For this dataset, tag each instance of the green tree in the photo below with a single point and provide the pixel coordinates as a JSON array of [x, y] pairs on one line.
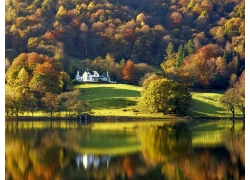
[[42, 84], [189, 47], [146, 79], [180, 56], [170, 51], [22, 78], [164, 95], [64, 81], [14, 101], [9, 102]]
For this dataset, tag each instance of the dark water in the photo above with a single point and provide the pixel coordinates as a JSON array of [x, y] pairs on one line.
[[69, 151]]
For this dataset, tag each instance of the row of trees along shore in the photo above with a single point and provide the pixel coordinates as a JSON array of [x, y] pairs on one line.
[[69, 103]]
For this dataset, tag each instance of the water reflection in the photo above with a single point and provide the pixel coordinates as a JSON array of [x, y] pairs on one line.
[[165, 153], [164, 144], [181, 160], [91, 160]]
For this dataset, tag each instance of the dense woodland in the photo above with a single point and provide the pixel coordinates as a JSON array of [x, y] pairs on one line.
[[199, 43]]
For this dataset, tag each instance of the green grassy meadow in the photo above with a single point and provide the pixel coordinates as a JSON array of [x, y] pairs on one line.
[[207, 104], [123, 100], [114, 100]]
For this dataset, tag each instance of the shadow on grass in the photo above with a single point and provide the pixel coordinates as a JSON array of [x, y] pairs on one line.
[[108, 97], [112, 103], [106, 92], [200, 108]]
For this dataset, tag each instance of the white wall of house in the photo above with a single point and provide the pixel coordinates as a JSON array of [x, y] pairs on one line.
[[92, 77]]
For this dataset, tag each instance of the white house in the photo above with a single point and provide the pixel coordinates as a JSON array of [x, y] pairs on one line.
[[92, 77], [78, 77]]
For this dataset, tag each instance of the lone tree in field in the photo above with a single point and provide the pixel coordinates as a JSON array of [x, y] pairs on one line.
[[234, 98], [164, 95]]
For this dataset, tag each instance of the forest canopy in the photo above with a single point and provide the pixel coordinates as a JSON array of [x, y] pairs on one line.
[[178, 35]]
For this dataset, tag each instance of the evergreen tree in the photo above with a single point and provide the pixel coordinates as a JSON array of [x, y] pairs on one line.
[[225, 56], [170, 51], [189, 47], [180, 56]]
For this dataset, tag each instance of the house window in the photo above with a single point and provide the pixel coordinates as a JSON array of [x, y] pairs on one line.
[[87, 78]]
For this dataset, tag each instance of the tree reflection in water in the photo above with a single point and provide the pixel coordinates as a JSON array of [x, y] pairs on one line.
[[32, 154], [173, 150], [167, 153]]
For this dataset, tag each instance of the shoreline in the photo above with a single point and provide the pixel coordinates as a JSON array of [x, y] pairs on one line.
[[115, 118]]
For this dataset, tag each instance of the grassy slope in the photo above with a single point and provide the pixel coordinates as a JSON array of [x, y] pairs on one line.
[[122, 100], [207, 104], [114, 100]]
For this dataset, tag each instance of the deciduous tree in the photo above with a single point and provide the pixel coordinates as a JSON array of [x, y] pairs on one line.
[[164, 95], [230, 101], [50, 101], [128, 71]]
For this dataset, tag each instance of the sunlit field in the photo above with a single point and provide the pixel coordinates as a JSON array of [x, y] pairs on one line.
[[123, 100], [207, 104], [115, 100]]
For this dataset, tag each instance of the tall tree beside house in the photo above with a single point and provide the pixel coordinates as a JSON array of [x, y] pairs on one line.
[[64, 81], [128, 71]]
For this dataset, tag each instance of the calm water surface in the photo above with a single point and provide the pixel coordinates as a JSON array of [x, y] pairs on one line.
[[65, 151]]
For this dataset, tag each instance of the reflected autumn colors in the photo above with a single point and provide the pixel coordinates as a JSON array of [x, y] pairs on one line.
[[173, 149], [165, 144], [39, 154], [166, 153]]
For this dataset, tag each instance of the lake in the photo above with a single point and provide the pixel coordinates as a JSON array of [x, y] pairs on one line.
[[65, 150]]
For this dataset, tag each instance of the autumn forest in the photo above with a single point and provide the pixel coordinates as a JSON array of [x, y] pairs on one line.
[[199, 43]]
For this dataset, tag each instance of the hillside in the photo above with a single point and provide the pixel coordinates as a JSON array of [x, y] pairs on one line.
[[145, 31], [197, 43]]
